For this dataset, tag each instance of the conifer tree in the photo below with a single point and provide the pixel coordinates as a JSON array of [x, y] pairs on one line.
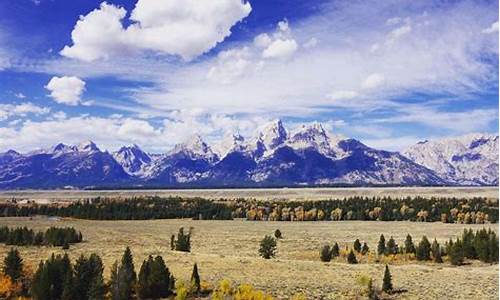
[[351, 258], [392, 247], [357, 246], [335, 250], [387, 281], [123, 277], [436, 252], [326, 253], [195, 279], [409, 247], [13, 265], [172, 242], [422, 252], [267, 247], [381, 245], [365, 249], [455, 253]]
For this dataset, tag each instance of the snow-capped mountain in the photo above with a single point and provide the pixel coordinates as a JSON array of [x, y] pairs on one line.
[[470, 159], [133, 160], [273, 156]]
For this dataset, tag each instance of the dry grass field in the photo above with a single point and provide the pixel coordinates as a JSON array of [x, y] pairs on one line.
[[269, 194], [228, 249]]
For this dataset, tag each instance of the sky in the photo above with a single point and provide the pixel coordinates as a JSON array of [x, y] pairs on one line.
[[156, 72]]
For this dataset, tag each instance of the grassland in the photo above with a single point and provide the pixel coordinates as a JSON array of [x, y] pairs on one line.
[[269, 194], [228, 249]]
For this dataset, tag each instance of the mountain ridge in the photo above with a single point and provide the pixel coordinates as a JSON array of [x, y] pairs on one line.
[[307, 156]]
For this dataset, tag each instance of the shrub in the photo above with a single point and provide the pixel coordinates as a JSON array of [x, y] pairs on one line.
[[267, 247], [409, 247], [365, 249], [335, 250], [277, 234], [351, 258], [392, 247], [381, 245], [326, 254], [357, 246], [183, 242], [387, 281]]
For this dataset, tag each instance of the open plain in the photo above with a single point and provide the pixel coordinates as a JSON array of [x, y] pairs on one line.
[[291, 194], [229, 249]]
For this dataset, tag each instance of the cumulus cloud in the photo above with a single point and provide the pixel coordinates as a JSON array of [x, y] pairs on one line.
[[175, 27], [20, 95], [21, 110], [373, 81], [280, 49], [492, 29], [66, 90]]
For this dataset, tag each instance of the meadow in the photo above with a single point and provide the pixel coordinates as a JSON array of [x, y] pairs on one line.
[[229, 249]]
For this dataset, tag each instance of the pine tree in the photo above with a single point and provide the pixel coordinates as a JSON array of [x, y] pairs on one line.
[[13, 265], [195, 279], [123, 277], [436, 252], [422, 252], [455, 253], [183, 242], [326, 254], [88, 278], [143, 288], [365, 249], [161, 280], [267, 247], [97, 289], [381, 245], [68, 287], [387, 281], [351, 258], [357, 246], [392, 247], [335, 250], [409, 247]]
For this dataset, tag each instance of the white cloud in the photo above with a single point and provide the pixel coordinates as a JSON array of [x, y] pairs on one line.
[[20, 95], [231, 64], [492, 29], [66, 90], [23, 109], [311, 43], [186, 28], [280, 49], [262, 40], [393, 21], [343, 95], [397, 33], [373, 81]]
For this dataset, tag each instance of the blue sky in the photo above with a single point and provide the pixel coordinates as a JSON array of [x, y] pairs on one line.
[[154, 73]]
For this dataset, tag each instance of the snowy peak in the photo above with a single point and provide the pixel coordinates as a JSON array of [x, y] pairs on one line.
[[273, 135], [132, 159], [468, 159], [195, 148], [88, 146]]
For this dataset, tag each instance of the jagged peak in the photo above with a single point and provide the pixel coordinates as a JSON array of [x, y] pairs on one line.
[[273, 134], [87, 146]]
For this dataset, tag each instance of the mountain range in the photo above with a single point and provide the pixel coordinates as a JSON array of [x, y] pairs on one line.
[[273, 157]]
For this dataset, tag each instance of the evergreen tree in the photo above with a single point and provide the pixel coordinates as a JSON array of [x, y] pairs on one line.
[[436, 252], [468, 238], [267, 247], [422, 252], [351, 258], [365, 249], [97, 289], [357, 246], [409, 247], [123, 277], [161, 281], [68, 292], [455, 253], [335, 250], [13, 265], [392, 247], [381, 245], [387, 281], [183, 242], [195, 279], [326, 254], [172, 242], [143, 286], [277, 234], [48, 281], [88, 278]]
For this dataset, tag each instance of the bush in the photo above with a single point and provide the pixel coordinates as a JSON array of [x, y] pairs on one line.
[[392, 247], [351, 258], [267, 247], [183, 242], [365, 249], [277, 234], [357, 246], [422, 252], [326, 254], [335, 250]]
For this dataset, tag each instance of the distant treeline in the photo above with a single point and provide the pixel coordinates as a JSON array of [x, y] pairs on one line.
[[22, 236], [448, 210]]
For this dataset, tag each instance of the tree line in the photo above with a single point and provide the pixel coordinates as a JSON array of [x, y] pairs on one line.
[[420, 209], [481, 245], [53, 236]]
